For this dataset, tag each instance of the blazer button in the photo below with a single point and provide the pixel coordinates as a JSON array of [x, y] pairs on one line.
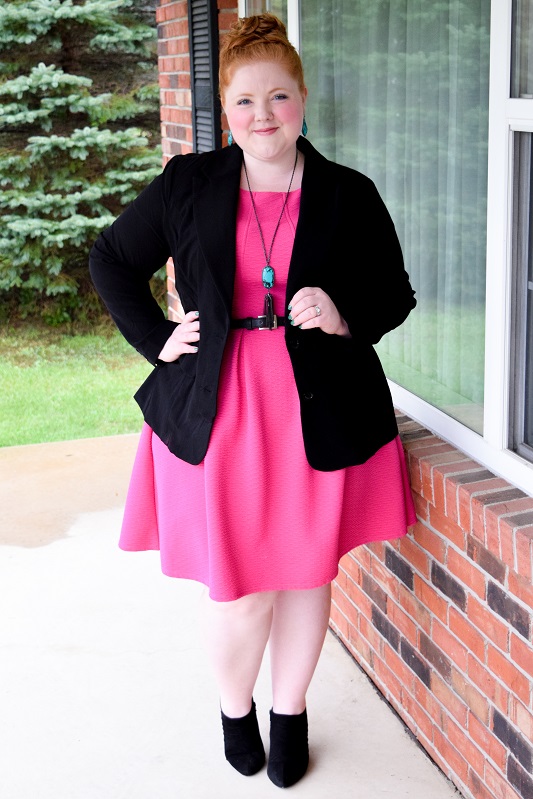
[[295, 344], [308, 395]]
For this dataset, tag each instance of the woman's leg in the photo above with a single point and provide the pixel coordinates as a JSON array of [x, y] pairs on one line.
[[236, 635], [299, 625]]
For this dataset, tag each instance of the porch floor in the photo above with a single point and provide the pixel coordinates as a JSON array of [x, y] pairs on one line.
[[106, 690]]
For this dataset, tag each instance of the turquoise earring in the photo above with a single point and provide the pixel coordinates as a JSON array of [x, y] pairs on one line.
[[304, 128], [230, 138]]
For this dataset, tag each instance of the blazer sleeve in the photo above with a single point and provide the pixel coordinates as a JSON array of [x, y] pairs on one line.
[[122, 261], [383, 296]]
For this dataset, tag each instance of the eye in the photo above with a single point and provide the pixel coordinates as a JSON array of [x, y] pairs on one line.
[[244, 101], [280, 96]]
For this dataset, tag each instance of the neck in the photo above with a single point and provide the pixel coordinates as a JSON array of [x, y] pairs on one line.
[[268, 176]]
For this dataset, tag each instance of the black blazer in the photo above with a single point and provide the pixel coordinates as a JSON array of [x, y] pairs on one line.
[[345, 243]]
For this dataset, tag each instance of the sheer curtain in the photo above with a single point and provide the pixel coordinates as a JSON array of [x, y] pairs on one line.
[[399, 90]]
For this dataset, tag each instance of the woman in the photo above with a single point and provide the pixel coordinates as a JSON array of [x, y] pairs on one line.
[[270, 446]]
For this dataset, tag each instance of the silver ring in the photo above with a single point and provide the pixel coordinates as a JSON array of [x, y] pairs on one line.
[[317, 309]]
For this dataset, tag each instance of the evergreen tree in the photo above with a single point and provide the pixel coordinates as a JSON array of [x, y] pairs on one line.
[[79, 138]]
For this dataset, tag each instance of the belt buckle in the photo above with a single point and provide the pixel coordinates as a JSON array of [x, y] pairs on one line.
[[264, 326]]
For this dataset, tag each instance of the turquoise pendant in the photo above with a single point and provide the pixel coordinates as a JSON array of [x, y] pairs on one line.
[[268, 277]]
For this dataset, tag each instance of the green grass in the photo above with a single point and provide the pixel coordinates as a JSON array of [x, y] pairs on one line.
[[56, 386]]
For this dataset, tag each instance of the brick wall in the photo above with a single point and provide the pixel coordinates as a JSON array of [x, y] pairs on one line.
[[175, 92], [442, 619]]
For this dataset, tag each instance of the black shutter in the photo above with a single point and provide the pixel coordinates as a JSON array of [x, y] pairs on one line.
[[206, 111]]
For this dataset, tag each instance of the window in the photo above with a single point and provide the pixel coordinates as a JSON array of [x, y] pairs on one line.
[[522, 339], [399, 90], [521, 392], [277, 7], [522, 50]]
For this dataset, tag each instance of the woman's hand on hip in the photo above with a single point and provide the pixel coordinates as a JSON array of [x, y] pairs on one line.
[[311, 307], [183, 338]]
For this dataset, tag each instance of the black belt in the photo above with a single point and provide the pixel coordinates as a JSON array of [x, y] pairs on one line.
[[258, 323]]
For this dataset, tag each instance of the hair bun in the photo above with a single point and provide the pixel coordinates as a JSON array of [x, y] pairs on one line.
[[261, 27]]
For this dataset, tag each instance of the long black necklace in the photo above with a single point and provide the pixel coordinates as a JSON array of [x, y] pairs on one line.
[[268, 274]]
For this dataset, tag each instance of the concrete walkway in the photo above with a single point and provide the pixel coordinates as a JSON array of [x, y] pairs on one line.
[[105, 690]]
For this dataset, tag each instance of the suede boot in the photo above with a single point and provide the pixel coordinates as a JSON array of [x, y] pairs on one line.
[[289, 749], [243, 746]]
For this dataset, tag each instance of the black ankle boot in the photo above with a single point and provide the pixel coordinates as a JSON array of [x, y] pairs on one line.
[[243, 746], [289, 749]]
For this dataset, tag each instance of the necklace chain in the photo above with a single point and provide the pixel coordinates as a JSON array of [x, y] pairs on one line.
[[269, 254]]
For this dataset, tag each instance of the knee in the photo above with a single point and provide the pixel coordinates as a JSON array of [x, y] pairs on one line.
[[248, 607]]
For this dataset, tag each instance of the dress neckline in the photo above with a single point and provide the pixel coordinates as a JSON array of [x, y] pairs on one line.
[[293, 191]]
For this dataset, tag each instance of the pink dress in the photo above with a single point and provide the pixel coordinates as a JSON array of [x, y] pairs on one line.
[[254, 516]]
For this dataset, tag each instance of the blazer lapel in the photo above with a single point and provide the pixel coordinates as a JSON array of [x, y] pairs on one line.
[[316, 218], [215, 198]]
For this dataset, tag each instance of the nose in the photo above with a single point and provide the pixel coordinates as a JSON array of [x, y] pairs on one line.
[[263, 111]]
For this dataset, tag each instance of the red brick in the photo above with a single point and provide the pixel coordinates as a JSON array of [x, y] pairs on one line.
[[423, 722], [450, 530], [452, 703], [370, 634], [522, 717], [415, 474], [507, 541], [415, 608], [458, 737], [522, 653], [493, 689], [521, 588], [492, 535], [428, 462], [477, 787], [490, 625], [406, 676], [454, 760], [498, 784], [422, 509], [467, 633], [439, 496], [345, 605], [467, 572], [431, 541], [392, 686], [377, 548], [351, 568], [475, 700], [430, 598], [467, 494], [403, 623], [448, 471], [487, 741], [448, 643], [384, 577], [418, 445], [430, 703], [361, 650], [415, 554], [524, 552], [363, 556], [508, 674], [436, 755]]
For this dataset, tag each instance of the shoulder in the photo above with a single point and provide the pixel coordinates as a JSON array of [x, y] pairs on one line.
[[209, 162]]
